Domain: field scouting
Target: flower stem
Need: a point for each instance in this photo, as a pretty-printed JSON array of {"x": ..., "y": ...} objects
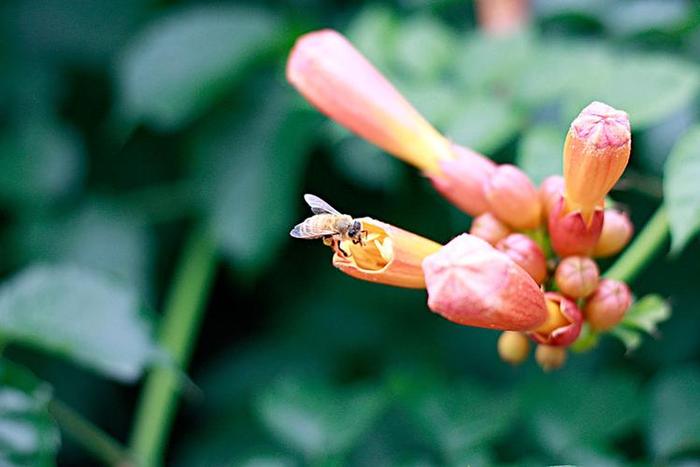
[
  {"x": 184, "y": 308},
  {"x": 642, "y": 250},
  {"x": 93, "y": 439}
]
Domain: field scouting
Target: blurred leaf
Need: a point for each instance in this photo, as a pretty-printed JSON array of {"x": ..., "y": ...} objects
[
  {"x": 631, "y": 338},
  {"x": 316, "y": 419},
  {"x": 674, "y": 418},
  {"x": 484, "y": 124},
  {"x": 642, "y": 317},
  {"x": 185, "y": 61},
  {"x": 540, "y": 152},
  {"x": 582, "y": 411},
  {"x": 81, "y": 315},
  {"x": 28, "y": 435},
  {"x": 637, "y": 16},
  {"x": 255, "y": 170},
  {"x": 424, "y": 47},
  {"x": 462, "y": 419},
  {"x": 373, "y": 32},
  {"x": 366, "y": 165},
  {"x": 39, "y": 162},
  {"x": 681, "y": 194},
  {"x": 589, "y": 9}
]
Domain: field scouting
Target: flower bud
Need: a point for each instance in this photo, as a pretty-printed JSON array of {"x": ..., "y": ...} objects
[
  {"x": 570, "y": 234},
  {"x": 489, "y": 228},
  {"x": 526, "y": 253},
  {"x": 551, "y": 191},
  {"x": 513, "y": 198},
  {"x": 550, "y": 358},
  {"x": 563, "y": 324},
  {"x": 471, "y": 283},
  {"x": 596, "y": 152},
  {"x": 608, "y": 304},
  {"x": 513, "y": 347},
  {"x": 617, "y": 232},
  {"x": 577, "y": 276},
  {"x": 461, "y": 180},
  {"x": 329, "y": 72},
  {"x": 502, "y": 17}
]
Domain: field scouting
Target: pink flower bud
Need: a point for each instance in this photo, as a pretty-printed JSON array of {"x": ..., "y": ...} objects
[
  {"x": 571, "y": 234},
  {"x": 608, "y": 304},
  {"x": 471, "y": 283},
  {"x": 550, "y": 358},
  {"x": 513, "y": 347},
  {"x": 617, "y": 232},
  {"x": 489, "y": 228},
  {"x": 526, "y": 253},
  {"x": 327, "y": 70},
  {"x": 596, "y": 152},
  {"x": 577, "y": 276},
  {"x": 461, "y": 180},
  {"x": 551, "y": 191},
  {"x": 502, "y": 17},
  {"x": 563, "y": 324},
  {"x": 513, "y": 198}
]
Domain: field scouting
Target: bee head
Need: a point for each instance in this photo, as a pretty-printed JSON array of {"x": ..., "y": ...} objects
[{"x": 354, "y": 229}]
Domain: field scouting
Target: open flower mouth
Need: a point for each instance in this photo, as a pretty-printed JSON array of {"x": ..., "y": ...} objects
[{"x": 386, "y": 254}]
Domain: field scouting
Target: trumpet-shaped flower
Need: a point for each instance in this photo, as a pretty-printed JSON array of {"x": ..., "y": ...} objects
[
  {"x": 563, "y": 324},
  {"x": 471, "y": 283},
  {"x": 513, "y": 198},
  {"x": 327, "y": 70},
  {"x": 596, "y": 152}
]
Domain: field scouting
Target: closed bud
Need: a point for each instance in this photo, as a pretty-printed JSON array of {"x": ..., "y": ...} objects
[
  {"x": 577, "y": 276},
  {"x": 513, "y": 198},
  {"x": 331, "y": 74},
  {"x": 617, "y": 232},
  {"x": 570, "y": 234},
  {"x": 471, "y": 283},
  {"x": 608, "y": 304},
  {"x": 596, "y": 152},
  {"x": 551, "y": 191},
  {"x": 462, "y": 179},
  {"x": 489, "y": 228},
  {"x": 513, "y": 347},
  {"x": 563, "y": 324},
  {"x": 550, "y": 358},
  {"x": 526, "y": 253}
]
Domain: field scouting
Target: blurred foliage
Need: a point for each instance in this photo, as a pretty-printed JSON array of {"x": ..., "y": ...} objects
[{"x": 122, "y": 123}]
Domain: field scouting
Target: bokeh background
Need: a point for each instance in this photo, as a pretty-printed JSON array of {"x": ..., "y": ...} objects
[{"x": 123, "y": 123}]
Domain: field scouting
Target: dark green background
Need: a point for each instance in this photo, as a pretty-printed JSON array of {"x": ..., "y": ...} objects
[{"x": 123, "y": 123}]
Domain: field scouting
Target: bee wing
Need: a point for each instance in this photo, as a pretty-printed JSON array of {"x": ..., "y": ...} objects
[
  {"x": 307, "y": 230},
  {"x": 318, "y": 206}
]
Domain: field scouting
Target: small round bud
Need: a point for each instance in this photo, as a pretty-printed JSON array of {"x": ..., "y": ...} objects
[
  {"x": 550, "y": 358},
  {"x": 513, "y": 198},
  {"x": 608, "y": 304},
  {"x": 488, "y": 227},
  {"x": 513, "y": 347},
  {"x": 526, "y": 253},
  {"x": 617, "y": 232},
  {"x": 551, "y": 190},
  {"x": 563, "y": 324},
  {"x": 577, "y": 276}
]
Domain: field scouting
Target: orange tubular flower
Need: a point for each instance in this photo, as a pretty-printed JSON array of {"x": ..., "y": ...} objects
[
  {"x": 471, "y": 283},
  {"x": 327, "y": 70},
  {"x": 596, "y": 152},
  {"x": 563, "y": 324},
  {"x": 513, "y": 198},
  {"x": 388, "y": 255},
  {"x": 617, "y": 232}
]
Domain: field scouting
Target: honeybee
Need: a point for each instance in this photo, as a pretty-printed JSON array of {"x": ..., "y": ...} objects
[{"x": 329, "y": 224}]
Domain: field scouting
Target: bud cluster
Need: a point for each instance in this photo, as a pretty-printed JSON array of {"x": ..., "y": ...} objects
[{"x": 526, "y": 267}]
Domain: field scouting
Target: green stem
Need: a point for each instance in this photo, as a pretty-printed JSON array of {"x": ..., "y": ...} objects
[
  {"x": 93, "y": 439},
  {"x": 184, "y": 308},
  {"x": 642, "y": 250}
]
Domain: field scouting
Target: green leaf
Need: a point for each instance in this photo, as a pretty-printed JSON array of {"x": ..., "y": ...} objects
[
  {"x": 81, "y": 315},
  {"x": 681, "y": 194},
  {"x": 185, "y": 61},
  {"x": 540, "y": 152},
  {"x": 40, "y": 162},
  {"x": 647, "y": 313},
  {"x": 485, "y": 124},
  {"x": 635, "y": 17},
  {"x": 373, "y": 32},
  {"x": 366, "y": 165},
  {"x": 28, "y": 434},
  {"x": 254, "y": 169},
  {"x": 674, "y": 417},
  {"x": 631, "y": 338},
  {"x": 316, "y": 419},
  {"x": 424, "y": 47}
]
